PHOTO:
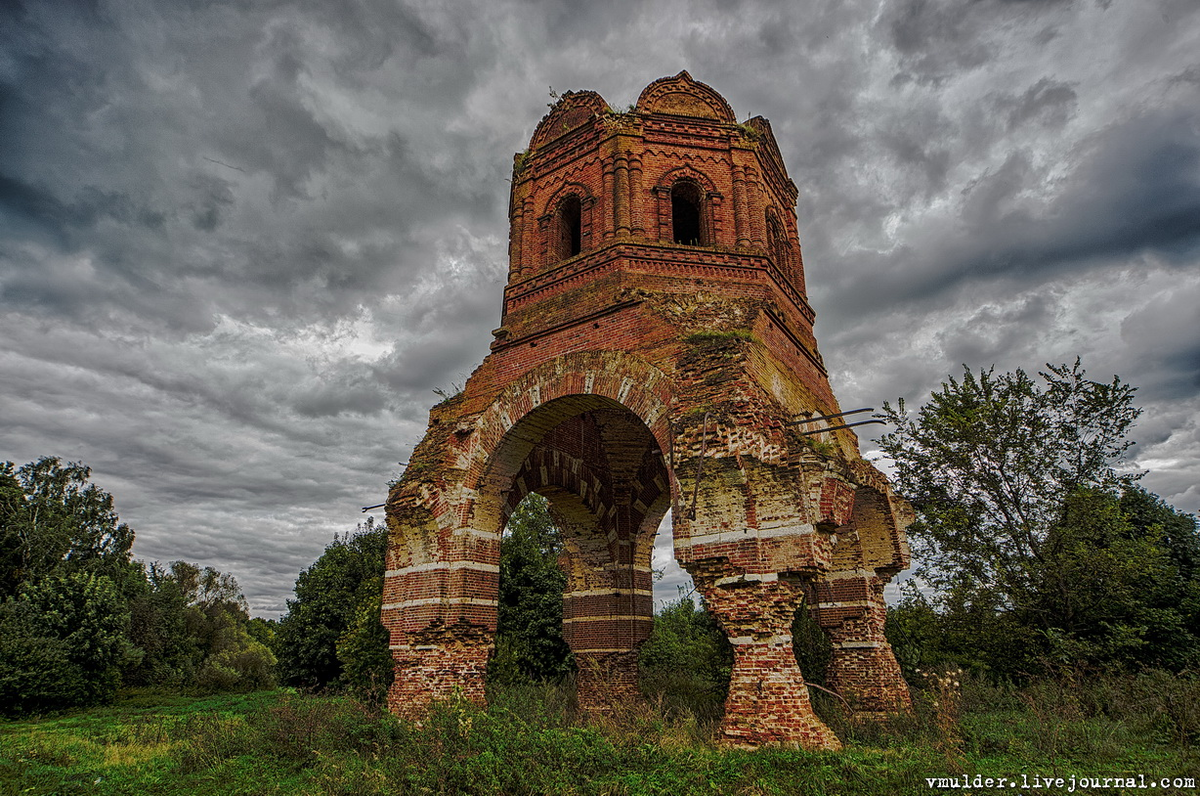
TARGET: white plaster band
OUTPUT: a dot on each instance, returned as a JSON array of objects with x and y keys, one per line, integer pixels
[
  {"x": 847, "y": 604},
  {"x": 725, "y": 537},
  {"x": 607, "y": 618},
  {"x": 410, "y": 647},
  {"x": 439, "y": 601},
  {"x": 857, "y": 645},
  {"x": 766, "y": 577},
  {"x": 772, "y": 641},
  {"x": 607, "y": 593},
  {"x": 435, "y": 566},
  {"x": 475, "y": 532}
]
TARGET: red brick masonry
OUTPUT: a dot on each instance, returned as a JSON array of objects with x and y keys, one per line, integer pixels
[{"x": 656, "y": 347}]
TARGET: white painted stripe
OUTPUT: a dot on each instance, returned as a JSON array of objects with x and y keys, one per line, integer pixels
[
  {"x": 856, "y": 645},
  {"x": 409, "y": 647},
  {"x": 435, "y": 566},
  {"x": 848, "y": 604},
  {"x": 772, "y": 641},
  {"x": 604, "y": 618},
  {"x": 603, "y": 592},
  {"x": 749, "y": 577},
  {"x": 740, "y": 536},
  {"x": 476, "y": 532},
  {"x": 439, "y": 601}
]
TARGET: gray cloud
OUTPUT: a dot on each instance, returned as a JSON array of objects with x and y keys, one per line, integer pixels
[{"x": 240, "y": 245}]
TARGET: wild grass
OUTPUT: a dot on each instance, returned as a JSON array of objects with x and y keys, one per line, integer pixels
[{"x": 530, "y": 741}]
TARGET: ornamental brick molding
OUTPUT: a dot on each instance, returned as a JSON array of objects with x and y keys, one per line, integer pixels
[{"x": 656, "y": 348}]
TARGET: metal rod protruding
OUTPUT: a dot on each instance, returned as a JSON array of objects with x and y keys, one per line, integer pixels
[
  {"x": 829, "y": 417},
  {"x": 836, "y": 428}
]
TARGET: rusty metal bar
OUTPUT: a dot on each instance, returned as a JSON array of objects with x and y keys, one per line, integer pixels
[
  {"x": 836, "y": 428},
  {"x": 829, "y": 417}
]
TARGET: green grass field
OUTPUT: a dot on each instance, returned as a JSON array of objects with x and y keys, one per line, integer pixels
[{"x": 528, "y": 743}]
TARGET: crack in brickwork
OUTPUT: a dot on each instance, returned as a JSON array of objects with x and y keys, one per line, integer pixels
[{"x": 636, "y": 376}]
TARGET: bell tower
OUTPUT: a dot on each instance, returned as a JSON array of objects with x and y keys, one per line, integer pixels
[{"x": 656, "y": 353}]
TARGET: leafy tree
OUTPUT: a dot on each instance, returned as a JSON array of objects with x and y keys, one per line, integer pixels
[
  {"x": 529, "y": 640},
  {"x": 161, "y": 628},
  {"x": 988, "y": 462},
  {"x": 367, "y": 667},
  {"x": 63, "y": 643},
  {"x": 194, "y": 630},
  {"x": 1039, "y": 551},
  {"x": 329, "y": 597},
  {"x": 53, "y": 520},
  {"x": 687, "y": 658}
]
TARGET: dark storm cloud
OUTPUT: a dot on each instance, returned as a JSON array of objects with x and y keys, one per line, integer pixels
[
  {"x": 241, "y": 244},
  {"x": 1134, "y": 191}
]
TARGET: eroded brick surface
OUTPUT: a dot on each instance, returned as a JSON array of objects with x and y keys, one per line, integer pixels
[{"x": 656, "y": 353}]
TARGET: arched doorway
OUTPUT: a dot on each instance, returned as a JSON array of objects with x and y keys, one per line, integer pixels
[{"x": 606, "y": 480}]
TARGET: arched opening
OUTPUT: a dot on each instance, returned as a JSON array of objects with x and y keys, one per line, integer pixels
[
  {"x": 777, "y": 241},
  {"x": 570, "y": 227},
  {"x": 686, "y": 214},
  {"x": 529, "y": 646},
  {"x": 605, "y": 487},
  {"x": 686, "y": 663}
]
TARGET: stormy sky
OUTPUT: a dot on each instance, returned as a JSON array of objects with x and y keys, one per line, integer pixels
[{"x": 242, "y": 242}]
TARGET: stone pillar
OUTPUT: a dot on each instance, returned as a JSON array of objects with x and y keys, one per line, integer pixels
[
  {"x": 621, "y": 194},
  {"x": 863, "y": 668},
  {"x": 741, "y": 221},
  {"x": 439, "y": 666},
  {"x": 608, "y": 165},
  {"x": 768, "y": 702},
  {"x": 607, "y": 611},
  {"x": 528, "y": 238},
  {"x": 636, "y": 201},
  {"x": 514, "y": 239}
]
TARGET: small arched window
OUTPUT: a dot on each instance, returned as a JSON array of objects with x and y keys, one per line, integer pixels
[
  {"x": 778, "y": 242},
  {"x": 686, "y": 216},
  {"x": 570, "y": 227}
]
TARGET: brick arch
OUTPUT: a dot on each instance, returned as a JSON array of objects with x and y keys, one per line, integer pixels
[
  {"x": 573, "y": 109},
  {"x": 686, "y": 172},
  {"x": 566, "y": 190},
  {"x": 662, "y": 192},
  {"x": 550, "y": 221},
  {"x": 682, "y": 96},
  {"x": 504, "y": 432}
]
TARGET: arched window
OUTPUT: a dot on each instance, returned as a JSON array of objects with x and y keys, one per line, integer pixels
[
  {"x": 570, "y": 227},
  {"x": 686, "y": 216},
  {"x": 777, "y": 240}
]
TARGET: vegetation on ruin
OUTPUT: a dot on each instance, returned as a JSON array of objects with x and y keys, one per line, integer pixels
[{"x": 710, "y": 336}]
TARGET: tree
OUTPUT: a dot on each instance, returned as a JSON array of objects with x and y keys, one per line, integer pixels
[
  {"x": 53, "y": 520},
  {"x": 329, "y": 597},
  {"x": 687, "y": 658},
  {"x": 62, "y": 642},
  {"x": 1021, "y": 531},
  {"x": 194, "y": 630},
  {"x": 529, "y": 639}
]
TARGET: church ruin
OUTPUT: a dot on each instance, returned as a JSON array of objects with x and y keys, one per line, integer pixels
[{"x": 655, "y": 352}]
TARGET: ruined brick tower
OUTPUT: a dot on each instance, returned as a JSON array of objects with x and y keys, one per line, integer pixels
[{"x": 656, "y": 352}]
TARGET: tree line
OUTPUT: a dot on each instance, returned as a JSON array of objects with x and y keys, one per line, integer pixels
[
  {"x": 79, "y": 617},
  {"x": 1037, "y": 553}
]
